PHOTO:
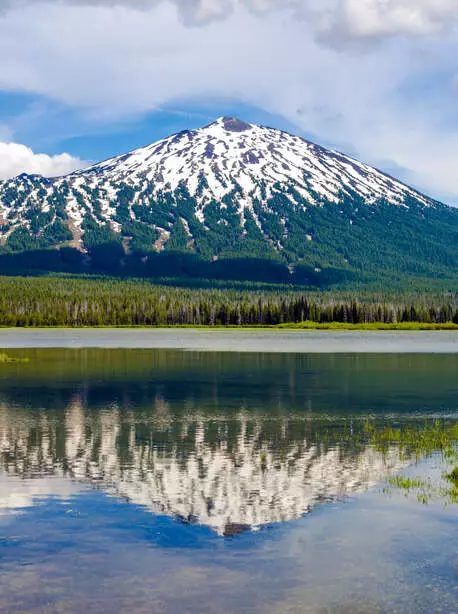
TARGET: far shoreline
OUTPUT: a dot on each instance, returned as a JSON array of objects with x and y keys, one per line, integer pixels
[{"x": 300, "y": 326}]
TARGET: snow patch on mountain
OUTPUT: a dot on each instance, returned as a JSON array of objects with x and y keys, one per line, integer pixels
[{"x": 233, "y": 156}]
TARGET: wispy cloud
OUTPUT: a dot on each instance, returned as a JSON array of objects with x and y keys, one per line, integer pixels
[
  {"x": 349, "y": 19},
  {"x": 347, "y": 22}
]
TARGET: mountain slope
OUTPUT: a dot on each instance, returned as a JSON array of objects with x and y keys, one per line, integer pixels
[{"x": 228, "y": 191}]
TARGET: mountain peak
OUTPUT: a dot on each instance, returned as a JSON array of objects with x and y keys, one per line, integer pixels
[{"x": 233, "y": 124}]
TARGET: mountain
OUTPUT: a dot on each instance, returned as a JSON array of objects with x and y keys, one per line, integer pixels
[{"x": 230, "y": 200}]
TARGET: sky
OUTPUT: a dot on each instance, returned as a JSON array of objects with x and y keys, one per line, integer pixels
[{"x": 84, "y": 80}]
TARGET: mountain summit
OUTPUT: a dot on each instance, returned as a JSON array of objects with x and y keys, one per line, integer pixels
[{"x": 233, "y": 190}]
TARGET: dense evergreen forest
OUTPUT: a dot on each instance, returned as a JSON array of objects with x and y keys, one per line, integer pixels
[
  {"x": 79, "y": 301},
  {"x": 335, "y": 244},
  {"x": 352, "y": 243}
]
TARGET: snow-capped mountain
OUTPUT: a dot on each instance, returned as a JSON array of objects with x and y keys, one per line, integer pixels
[
  {"x": 227, "y": 188},
  {"x": 227, "y": 158},
  {"x": 252, "y": 163}
]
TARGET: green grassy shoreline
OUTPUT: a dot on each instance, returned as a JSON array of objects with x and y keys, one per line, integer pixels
[
  {"x": 372, "y": 326},
  {"x": 301, "y": 326}
]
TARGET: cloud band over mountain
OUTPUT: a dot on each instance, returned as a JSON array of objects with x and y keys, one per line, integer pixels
[
  {"x": 343, "y": 19},
  {"x": 375, "y": 78}
]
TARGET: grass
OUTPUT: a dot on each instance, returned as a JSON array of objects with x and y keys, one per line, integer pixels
[
  {"x": 325, "y": 326},
  {"x": 418, "y": 440},
  {"x": 415, "y": 442},
  {"x": 423, "y": 442},
  {"x": 427, "y": 491},
  {"x": 453, "y": 477},
  {"x": 5, "y": 359},
  {"x": 372, "y": 326},
  {"x": 405, "y": 483}
]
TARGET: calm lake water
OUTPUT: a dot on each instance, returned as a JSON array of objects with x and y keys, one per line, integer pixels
[
  {"x": 238, "y": 340},
  {"x": 164, "y": 481}
]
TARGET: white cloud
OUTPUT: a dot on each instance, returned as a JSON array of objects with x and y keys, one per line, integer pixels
[
  {"x": 109, "y": 60},
  {"x": 192, "y": 12},
  {"x": 353, "y": 20},
  {"x": 16, "y": 159},
  {"x": 347, "y": 18}
]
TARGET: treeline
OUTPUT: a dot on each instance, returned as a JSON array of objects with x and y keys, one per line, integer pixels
[{"x": 106, "y": 302}]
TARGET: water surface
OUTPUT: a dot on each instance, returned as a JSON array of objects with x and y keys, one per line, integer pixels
[
  {"x": 167, "y": 481},
  {"x": 238, "y": 340}
]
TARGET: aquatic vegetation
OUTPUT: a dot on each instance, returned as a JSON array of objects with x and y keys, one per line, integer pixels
[
  {"x": 400, "y": 481},
  {"x": 426, "y": 490},
  {"x": 453, "y": 477},
  {"x": 416, "y": 441},
  {"x": 440, "y": 440},
  {"x": 422, "y": 439},
  {"x": 5, "y": 359}
]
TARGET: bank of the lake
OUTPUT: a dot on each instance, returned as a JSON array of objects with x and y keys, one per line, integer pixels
[{"x": 308, "y": 325}]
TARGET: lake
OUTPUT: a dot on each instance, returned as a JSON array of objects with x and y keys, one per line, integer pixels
[
  {"x": 237, "y": 340},
  {"x": 170, "y": 481}
]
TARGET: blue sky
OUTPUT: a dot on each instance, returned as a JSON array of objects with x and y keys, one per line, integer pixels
[
  {"x": 64, "y": 130},
  {"x": 94, "y": 78}
]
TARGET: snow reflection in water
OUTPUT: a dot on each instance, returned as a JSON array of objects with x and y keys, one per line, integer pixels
[{"x": 231, "y": 475}]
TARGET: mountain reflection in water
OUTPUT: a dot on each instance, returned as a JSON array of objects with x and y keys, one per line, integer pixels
[
  {"x": 230, "y": 441},
  {"x": 230, "y": 474}
]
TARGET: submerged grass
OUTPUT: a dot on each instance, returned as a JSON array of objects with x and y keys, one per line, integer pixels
[
  {"x": 437, "y": 439},
  {"x": 425, "y": 490},
  {"x": 404, "y": 483},
  {"x": 415, "y": 440},
  {"x": 420, "y": 441},
  {"x": 453, "y": 477},
  {"x": 5, "y": 359}
]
